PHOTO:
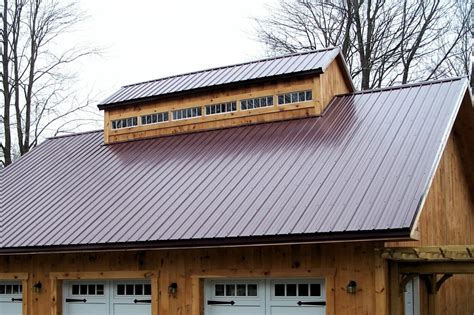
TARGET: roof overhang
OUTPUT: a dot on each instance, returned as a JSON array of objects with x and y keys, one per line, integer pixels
[
  {"x": 320, "y": 238},
  {"x": 191, "y": 92}
]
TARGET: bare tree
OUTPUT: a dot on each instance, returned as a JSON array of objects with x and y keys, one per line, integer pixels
[
  {"x": 36, "y": 80},
  {"x": 384, "y": 41}
]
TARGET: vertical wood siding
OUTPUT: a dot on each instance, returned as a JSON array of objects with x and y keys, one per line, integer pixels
[{"x": 339, "y": 263}]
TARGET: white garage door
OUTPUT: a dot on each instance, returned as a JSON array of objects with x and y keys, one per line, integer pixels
[
  {"x": 107, "y": 297},
  {"x": 10, "y": 297},
  {"x": 265, "y": 297}
]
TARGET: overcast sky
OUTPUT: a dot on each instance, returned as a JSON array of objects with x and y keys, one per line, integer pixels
[{"x": 149, "y": 39}]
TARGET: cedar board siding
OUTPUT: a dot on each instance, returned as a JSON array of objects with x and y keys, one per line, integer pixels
[
  {"x": 338, "y": 263},
  {"x": 448, "y": 214}
]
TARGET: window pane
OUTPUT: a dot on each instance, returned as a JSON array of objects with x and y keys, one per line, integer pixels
[
  {"x": 309, "y": 95},
  {"x": 230, "y": 290},
  {"x": 241, "y": 288},
  {"x": 100, "y": 289},
  {"x": 120, "y": 289},
  {"x": 270, "y": 101},
  {"x": 165, "y": 115},
  {"x": 15, "y": 289},
  {"x": 135, "y": 121},
  {"x": 234, "y": 106},
  {"x": 287, "y": 98},
  {"x": 243, "y": 104},
  {"x": 147, "y": 289},
  {"x": 219, "y": 290},
  {"x": 281, "y": 99},
  {"x": 129, "y": 289},
  {"x": 249, "y": 104},
  {"x": 138, "y": 289},
  {"x": 8, "y": 289},
  {"x": 279, "y": 290},
  {"x": 303, "y": 289},
  {"x": 301, "y": 97},
  {"x": 263, "y": 101},
  {"x": 2, "y": 289},
  {"x": 92, "y": 289},
  {"x": 75, "y": 289},
  {"x": 83, "y": 289},
  {"x": 256, "y": 103},
  {"x": 291, "y": 290},
  {"x": 294, "y": 97},
  {"x": 252, "y": 290},
  {"x": 315, "y": 289}
]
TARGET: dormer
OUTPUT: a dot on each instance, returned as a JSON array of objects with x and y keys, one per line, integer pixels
[{"x": 280, "y": 88}]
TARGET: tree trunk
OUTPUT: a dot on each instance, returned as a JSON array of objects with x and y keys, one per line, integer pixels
[{"x": 7, "y": 146}]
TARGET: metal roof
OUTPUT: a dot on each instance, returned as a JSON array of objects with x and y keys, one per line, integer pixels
[
  {"x": 364, "y": 167},
  {"x": 316, "y": 60}
]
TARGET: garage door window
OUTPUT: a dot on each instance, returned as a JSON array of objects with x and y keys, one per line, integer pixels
[
  {"x": 87, "y": 289},
  {"x": 10, "y": 289},
  {"x": 297, "y": 289},
  {"x": 236, "y": 289},
  {"x": 133, "y": 289}
]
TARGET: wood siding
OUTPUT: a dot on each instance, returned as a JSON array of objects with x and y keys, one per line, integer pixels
[
  {"x": 336, "y": 263},
  {"x": 447, "y": 217},
  {"x": 324, "y": 87}
]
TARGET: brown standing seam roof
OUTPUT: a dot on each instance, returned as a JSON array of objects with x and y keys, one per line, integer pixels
[
  {"x": 316, "y": 60},
  {"x": 363, "y": 168}
]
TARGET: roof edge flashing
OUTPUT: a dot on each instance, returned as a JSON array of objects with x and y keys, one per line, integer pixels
[{"x": 300, "y": 239}]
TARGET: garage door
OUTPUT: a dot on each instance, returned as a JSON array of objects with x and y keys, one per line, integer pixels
[
  {"x": 10, "y": 297},
  {"x": 107, "y": 297},
  {"x": 265, "y": 297}
]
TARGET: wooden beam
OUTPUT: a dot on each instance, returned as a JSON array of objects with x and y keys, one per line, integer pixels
[
  {"x": 107, "y": 275},
  {"x": 453, "y": 267}
]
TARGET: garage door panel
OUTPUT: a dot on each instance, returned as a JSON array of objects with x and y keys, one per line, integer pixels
[
  {"x": 265, "y": 297},
  {"x": 117, "y": 297},
  {"x": 11, "y": 297},
  {"x": 127, "y": 309},
  {"x": 297, "y": 310},
  {"x": 235, "y": 297}
]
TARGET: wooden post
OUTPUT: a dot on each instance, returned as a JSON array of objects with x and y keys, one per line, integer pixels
[
  {"x": 381, "y": 284},
  {"x": 432, "y": 294},
  {"x": 395, "y": 300}
]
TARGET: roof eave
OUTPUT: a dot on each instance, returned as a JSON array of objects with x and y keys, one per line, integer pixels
[
  {"x": 273, "y": 240},
  {"x": 149, "y": 99}
]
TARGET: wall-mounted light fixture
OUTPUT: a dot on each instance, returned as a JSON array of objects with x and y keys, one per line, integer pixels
[
  {"x": 37, "y": 287},
  {"x": 351, "y": 287},
  {"x": 173, "y": 289}
]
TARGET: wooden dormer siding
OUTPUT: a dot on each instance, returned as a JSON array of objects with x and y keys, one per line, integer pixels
[{"x": 323, "y": 86}]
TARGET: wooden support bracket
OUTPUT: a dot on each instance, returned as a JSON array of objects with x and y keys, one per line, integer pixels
[
  {"x": 443, "y": 279},
  {"x": 407, "y": 278}
]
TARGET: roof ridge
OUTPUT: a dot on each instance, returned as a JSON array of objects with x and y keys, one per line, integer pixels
[
  {"x": 404, "y": 86},
  {"x": 233, "y": 65},
  {"x": 75, "y": 134}
]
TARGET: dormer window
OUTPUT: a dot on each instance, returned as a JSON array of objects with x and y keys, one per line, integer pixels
[
  {"x": 257, "y": 102},
  {"x": 124, "y": 123},
  {"x": 295, "y": 97},
  {"x": 221, "y": 108},
  {"x": 155, "y": 118},
  {"x": 187, "y": 113}
]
